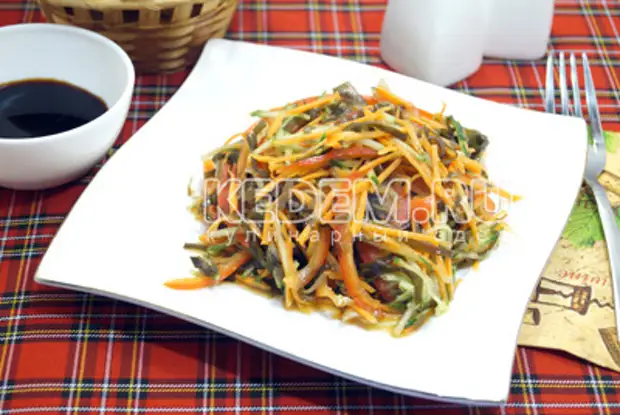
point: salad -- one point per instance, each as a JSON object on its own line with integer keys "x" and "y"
{"x": 364, "y": 204}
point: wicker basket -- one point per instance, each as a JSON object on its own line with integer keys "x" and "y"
{"x": 160, "y": 36}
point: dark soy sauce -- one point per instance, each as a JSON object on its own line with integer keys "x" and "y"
{"x": 38, "y": 107}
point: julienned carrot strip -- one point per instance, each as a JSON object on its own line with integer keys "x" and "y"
{"x": 457, "y": 166}
{"x": 472, "y": 220}
{"x": 395, "y": 99}
{"x": 315, "y": 121}
{"x": 227, "y": 269}
{"x": 483, "y": 204}
{"x": 478, "y": 185}
{"x": 376, "y": 162}
{"x": 314, "y": 104}
{"x": 435, "y": 162}
{"x": 208, "y": 166}
{"x": 294, "y": 104}
{"x": 305, "y": 234}
{"x": 359, "y": 213}
{"x": 314, "y": 175}
{"x": 370, "y": 100}
{"x": 302, "y": 101}
{"x": 411, "y": 132}
{"x": 232, "y": 264}
{"x": 389, "y": 170}
{"x": 267, "y": 226}
{"x": 501, "y": 192}
{"x": 288, "y": 224}
{"x": 191, "y": 283}
{"x": 275, "y": 125}
{"x": 425, "y": 144}
{"x": 427, "y": 122}
{"x": 450, "y": 274}
{"x": 422, "y": 319}
{"x": 422, "y": 169}
{"x": 389, "y": 96}
{"x": 443, "y": 170}
{"x": 327, "y": 202}
{"x": 471, "y": 165}
{"x": 242, "y": 164}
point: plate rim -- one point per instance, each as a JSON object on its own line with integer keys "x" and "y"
{"x": 300, "y": 360}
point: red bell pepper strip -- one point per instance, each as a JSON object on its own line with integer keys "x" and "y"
{"x": 368, "y": 253}
{"x": 222, "y": 195}
{"x": 317, "y": 162}
{"x": 421, "y": 208}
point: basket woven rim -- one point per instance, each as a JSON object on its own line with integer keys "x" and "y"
{"x": 129, "y": 4}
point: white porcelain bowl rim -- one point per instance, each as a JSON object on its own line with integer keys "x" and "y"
{"x": 131, "y": 75}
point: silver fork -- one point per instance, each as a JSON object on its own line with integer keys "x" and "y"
{"x": 596, "y": 154}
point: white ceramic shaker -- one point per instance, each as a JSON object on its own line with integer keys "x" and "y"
{"x": 444, "y": 41}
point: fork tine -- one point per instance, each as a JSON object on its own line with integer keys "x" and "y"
{"x": 574, "y": 80}
{"x": 591, "y": 102}
{"x": 550, "y": 86}
{"x": 563, "y": 85}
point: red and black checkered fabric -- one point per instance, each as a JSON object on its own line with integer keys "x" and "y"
{"x": 64, "y": 352}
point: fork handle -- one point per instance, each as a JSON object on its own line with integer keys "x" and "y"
{"x": 612, "y": 238}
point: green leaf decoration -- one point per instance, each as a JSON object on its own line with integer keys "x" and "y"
{"x": 584, "y": 227}
{"x": 612, "y": 141}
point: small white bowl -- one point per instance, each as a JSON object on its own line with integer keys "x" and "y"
{"x": 79, "y": 57}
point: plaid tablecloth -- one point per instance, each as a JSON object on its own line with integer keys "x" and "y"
{"x": 67, "y": 352}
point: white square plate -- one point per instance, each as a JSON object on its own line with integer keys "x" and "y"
{"x": 124, "y": 237}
